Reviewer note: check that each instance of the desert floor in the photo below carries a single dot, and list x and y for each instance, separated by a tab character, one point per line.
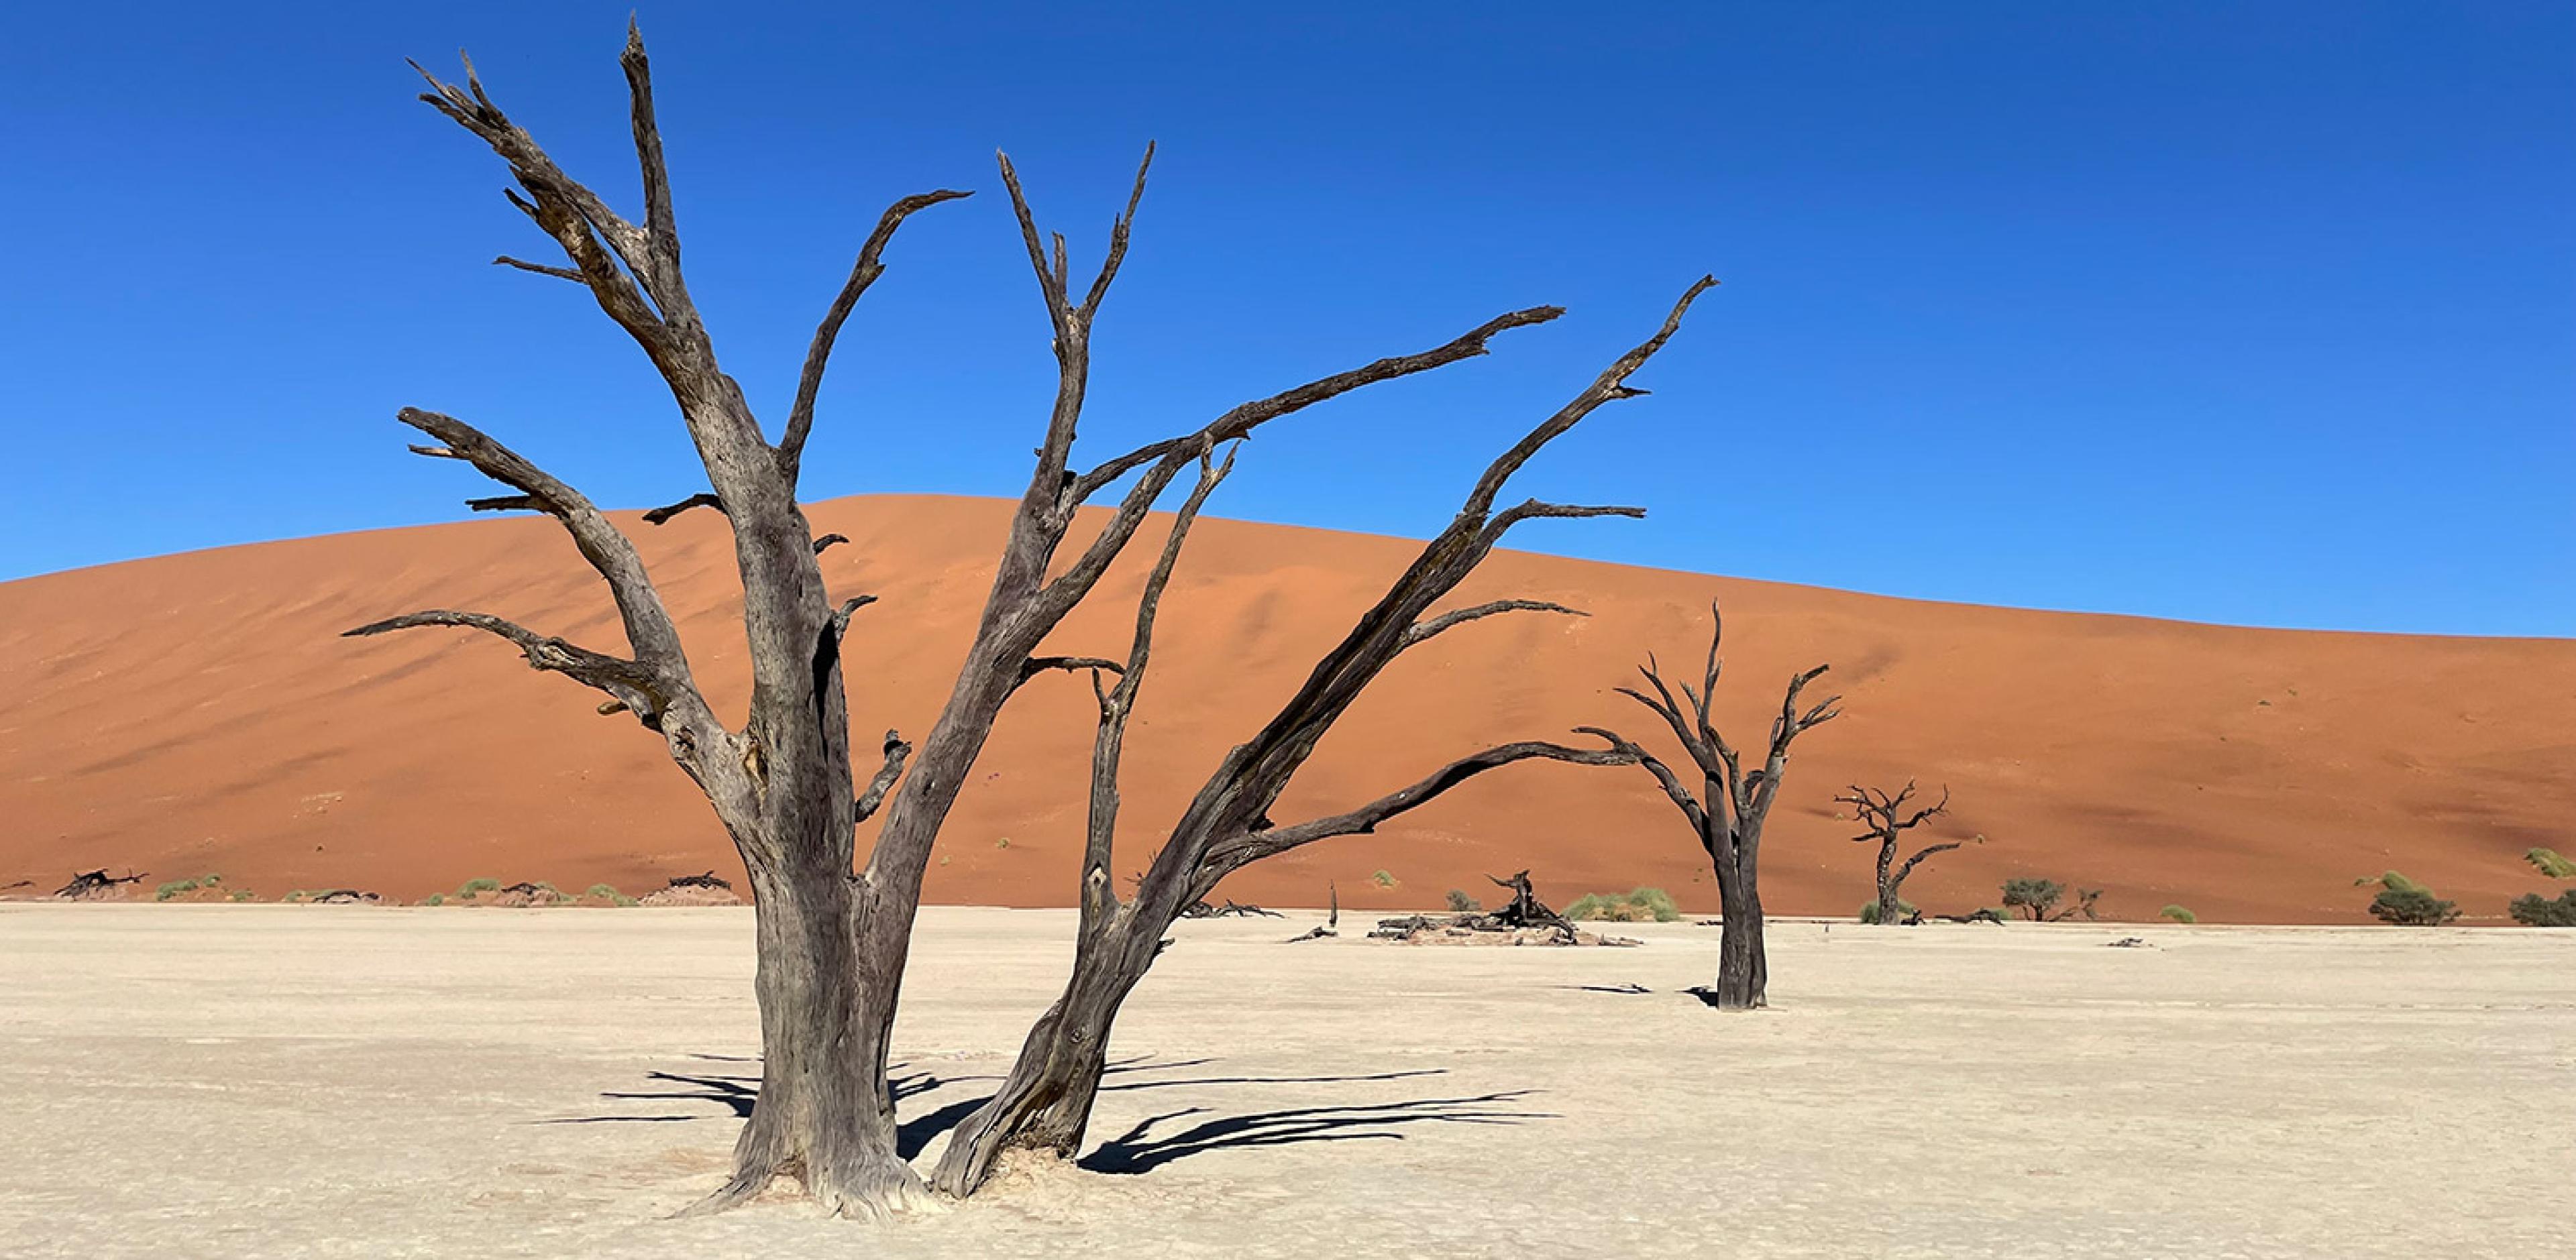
273	1080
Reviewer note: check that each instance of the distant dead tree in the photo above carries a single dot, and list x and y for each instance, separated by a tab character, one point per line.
1733	804
1887	820
1045	1102
833	935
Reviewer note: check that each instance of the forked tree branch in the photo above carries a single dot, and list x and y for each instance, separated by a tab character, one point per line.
1118	704
1243	849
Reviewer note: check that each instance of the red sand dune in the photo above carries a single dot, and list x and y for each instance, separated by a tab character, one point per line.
197	713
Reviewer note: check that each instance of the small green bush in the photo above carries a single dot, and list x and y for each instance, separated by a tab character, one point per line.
1003	843
1382	880
472	888
2391	881
2179	914
2534	910
1461	903
2550	864
173	889
1639	905
2033	897
1869	910
239	894
2413	906
434	899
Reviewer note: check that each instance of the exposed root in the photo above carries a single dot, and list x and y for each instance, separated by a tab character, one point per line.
743	1188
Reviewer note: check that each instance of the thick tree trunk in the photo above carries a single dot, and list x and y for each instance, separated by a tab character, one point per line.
1887	885
1743	971
824	1116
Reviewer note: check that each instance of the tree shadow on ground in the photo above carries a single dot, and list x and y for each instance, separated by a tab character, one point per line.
1135	1152
734	1094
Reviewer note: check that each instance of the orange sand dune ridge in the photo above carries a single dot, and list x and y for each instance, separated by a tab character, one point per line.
198	713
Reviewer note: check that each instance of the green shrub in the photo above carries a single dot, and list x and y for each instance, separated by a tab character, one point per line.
239	894
2179	914
471	888
2550	864
1869	910
2534	910
2033	897
173	889
2392	882
434	899
1461	903
2413	906
1382	880
1640	905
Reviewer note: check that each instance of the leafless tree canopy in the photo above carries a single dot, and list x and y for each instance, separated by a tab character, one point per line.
1887	819
833	931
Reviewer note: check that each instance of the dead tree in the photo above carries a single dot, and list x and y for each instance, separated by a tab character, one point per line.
94	886
1044	1104
833	935
1887	820
1733	804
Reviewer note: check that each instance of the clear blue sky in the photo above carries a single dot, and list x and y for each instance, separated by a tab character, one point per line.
2252	313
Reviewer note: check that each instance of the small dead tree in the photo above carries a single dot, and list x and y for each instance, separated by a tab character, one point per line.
1731	808
1887	820
832	935
1045	1102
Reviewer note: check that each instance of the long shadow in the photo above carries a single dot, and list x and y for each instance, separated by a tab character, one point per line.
734	1095
1134	1152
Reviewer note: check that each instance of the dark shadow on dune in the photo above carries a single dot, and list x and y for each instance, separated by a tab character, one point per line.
1135	1151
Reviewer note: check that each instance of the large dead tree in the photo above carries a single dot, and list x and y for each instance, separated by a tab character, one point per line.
1731	806
1044	1104
1887	821
832	935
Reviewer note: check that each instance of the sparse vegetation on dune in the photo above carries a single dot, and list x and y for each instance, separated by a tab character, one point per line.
2549	863
182	887
1461	903
2179	914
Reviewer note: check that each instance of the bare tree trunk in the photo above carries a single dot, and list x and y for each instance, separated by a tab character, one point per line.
1743	970
1045	1102
1730	808
1885	816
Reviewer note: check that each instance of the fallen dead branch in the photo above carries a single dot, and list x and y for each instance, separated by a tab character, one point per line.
95	885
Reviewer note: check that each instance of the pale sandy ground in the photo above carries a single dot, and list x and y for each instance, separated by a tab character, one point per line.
284	1081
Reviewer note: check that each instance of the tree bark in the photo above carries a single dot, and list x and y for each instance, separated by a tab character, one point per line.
1743	966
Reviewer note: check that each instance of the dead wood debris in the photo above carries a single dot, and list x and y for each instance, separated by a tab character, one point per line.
95	885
